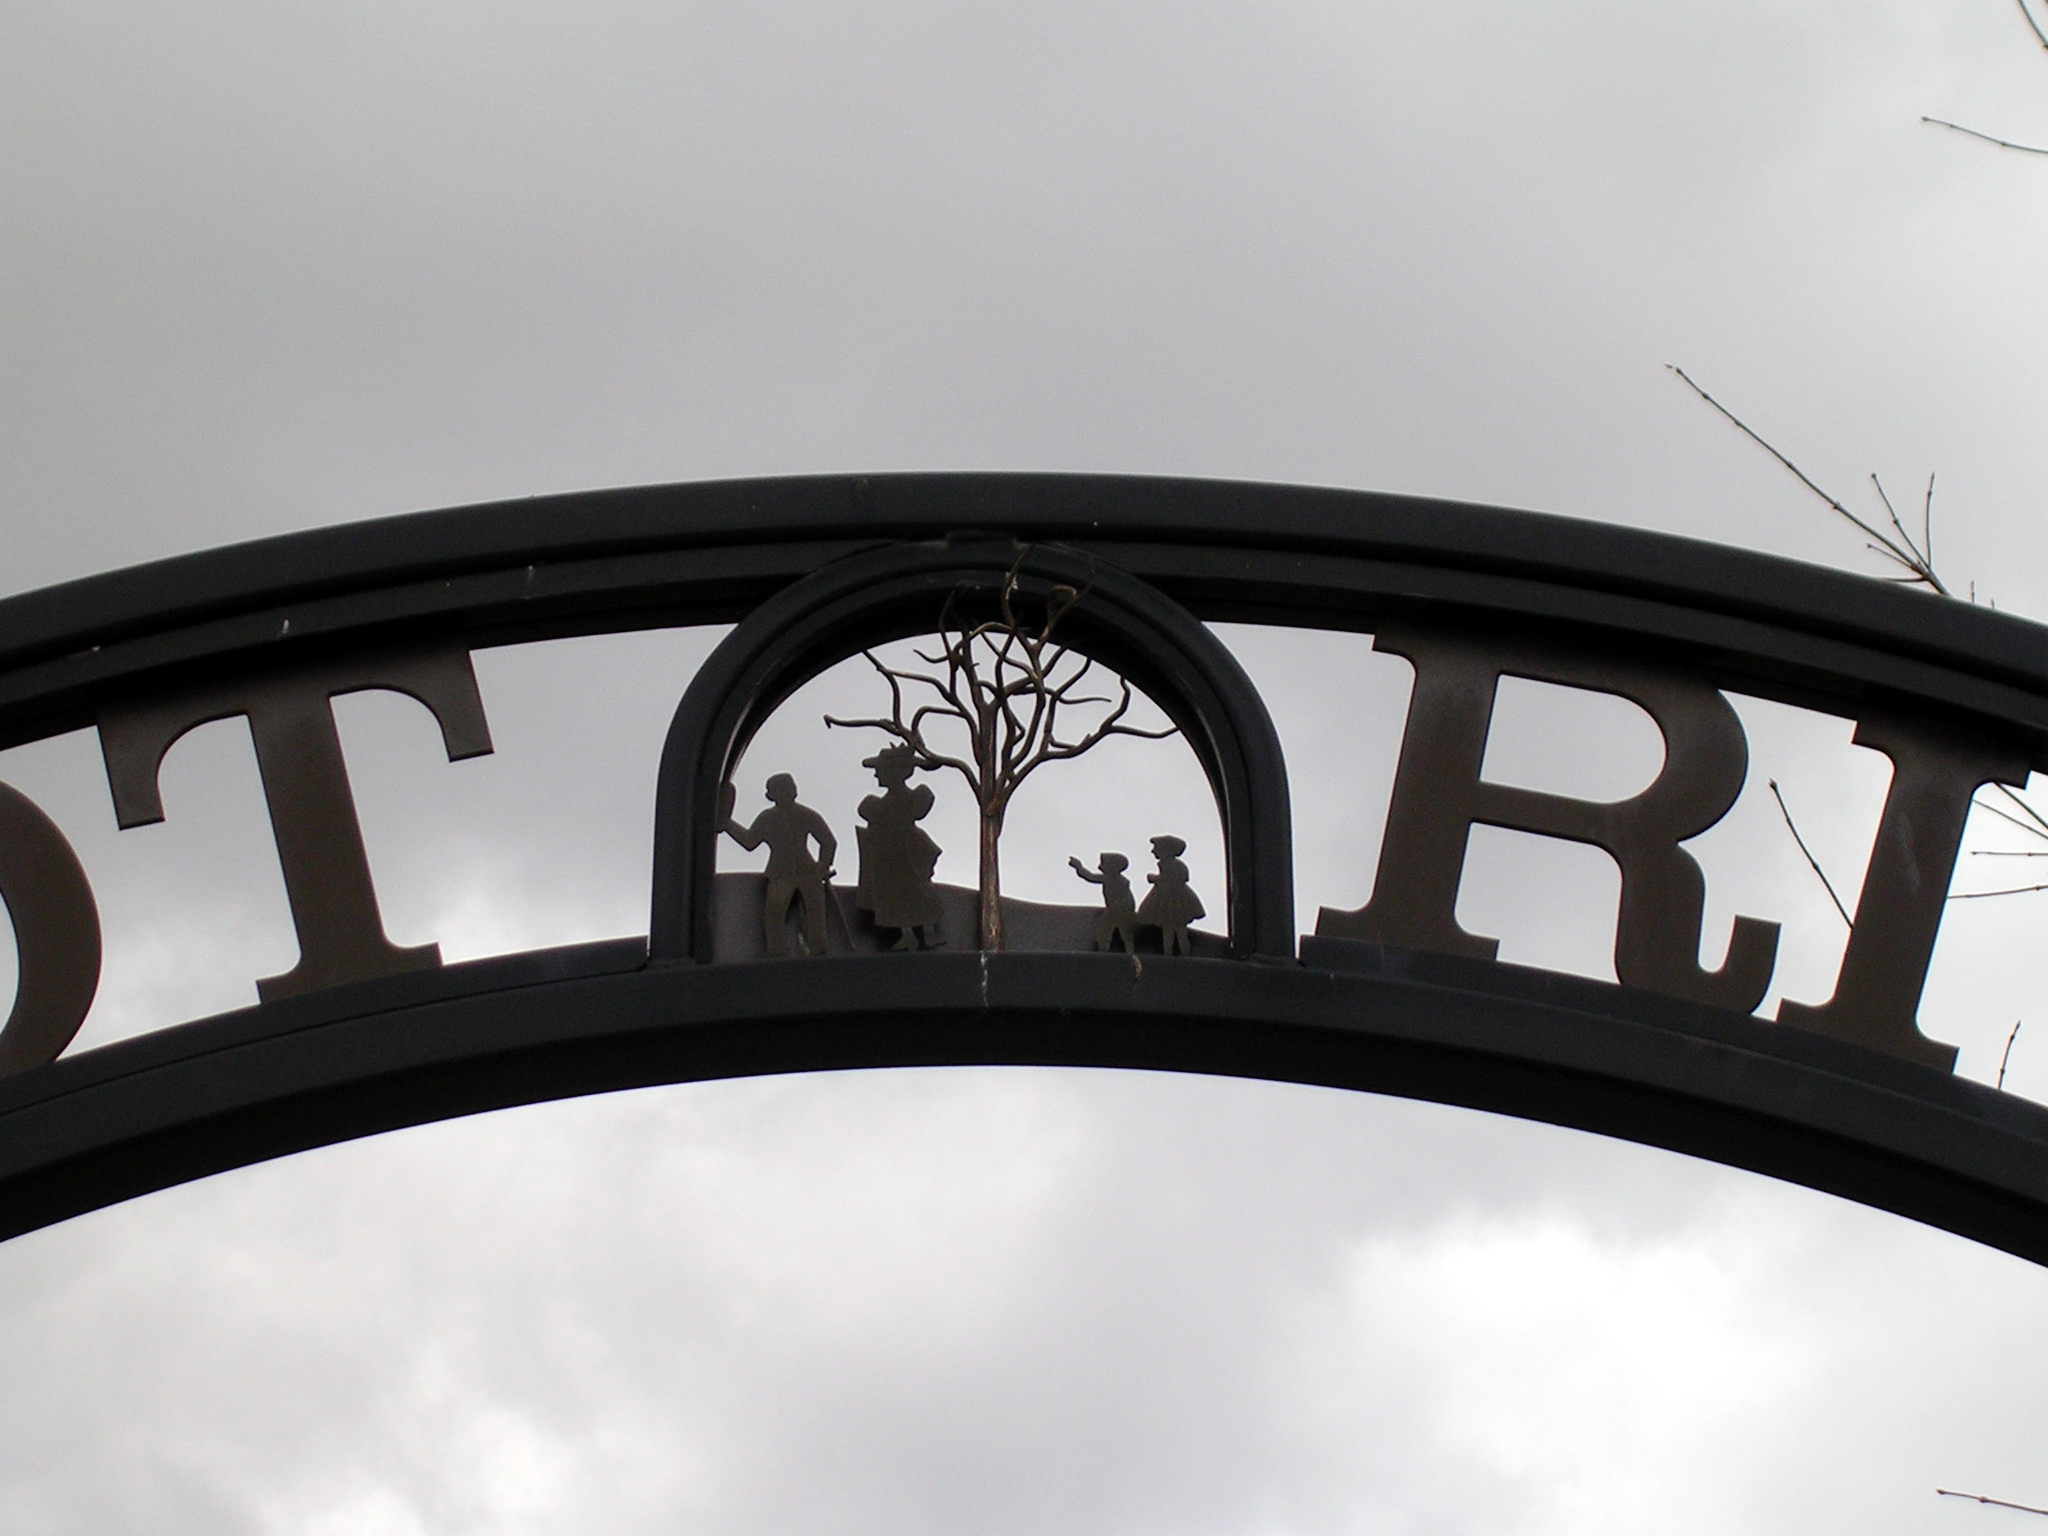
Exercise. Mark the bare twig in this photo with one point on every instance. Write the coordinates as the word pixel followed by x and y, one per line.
pixel 1988 138
pixel 2026 827
pixel 1790 826
pixel 1924 550
pixel 2030 822
pixel 1901 551
pixel 2025 1509
pixel 2039 36
pixel 2040 823
pixel 1927 524
pixel 2007 1057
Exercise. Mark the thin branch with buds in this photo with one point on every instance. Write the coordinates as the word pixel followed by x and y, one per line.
pixel 1898 546
pixel 2029 821
pixel 2025 1509
pixel 1988 138
pixel 1793 827
pixel 2035 823
pixel 2040 37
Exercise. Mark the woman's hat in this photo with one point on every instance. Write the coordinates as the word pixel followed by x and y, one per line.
pixel 890 756
pixel 1172 847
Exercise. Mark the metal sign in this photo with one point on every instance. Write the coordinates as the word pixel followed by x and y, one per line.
pixel 1029 585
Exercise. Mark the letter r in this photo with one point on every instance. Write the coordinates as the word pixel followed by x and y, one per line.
pixel 1438 795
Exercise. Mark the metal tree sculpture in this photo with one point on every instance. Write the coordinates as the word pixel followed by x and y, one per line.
pixel 1004 682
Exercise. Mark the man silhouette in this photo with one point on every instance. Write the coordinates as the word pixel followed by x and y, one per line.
pixel 788 829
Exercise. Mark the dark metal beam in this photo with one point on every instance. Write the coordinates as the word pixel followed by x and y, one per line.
pixel 305 1072
pixel 351 1060
pixel 706 553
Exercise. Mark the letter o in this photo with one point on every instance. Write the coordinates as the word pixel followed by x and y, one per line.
pixel 56 934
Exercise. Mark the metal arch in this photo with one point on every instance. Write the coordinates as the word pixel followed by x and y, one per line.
pixel 706 553
pixel 88 1130
pixel 890 593
pixel 283 1077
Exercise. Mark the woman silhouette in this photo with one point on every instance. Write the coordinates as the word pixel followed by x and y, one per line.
pixel 896 857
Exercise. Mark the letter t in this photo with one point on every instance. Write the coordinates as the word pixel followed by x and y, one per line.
pixel 305 784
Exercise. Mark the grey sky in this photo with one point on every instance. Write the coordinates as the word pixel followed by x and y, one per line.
pixel 267 267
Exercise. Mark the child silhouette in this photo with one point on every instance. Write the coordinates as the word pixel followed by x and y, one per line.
pixel 1170 905
pixel 1119 918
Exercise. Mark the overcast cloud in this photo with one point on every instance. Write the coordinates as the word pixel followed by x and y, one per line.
pixel 270 267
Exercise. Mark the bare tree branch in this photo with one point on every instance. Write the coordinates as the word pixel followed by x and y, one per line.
pixel 2039 35
pixel 1902 551
pixel 1988 138
pixel 2025 1509
pixel 909 735
pixel 1899 527
pixel 2007 1057
pixel 1927 523
pixel 1792 827
pixel 2026 827
pixel 2030 822
pixel 2039 822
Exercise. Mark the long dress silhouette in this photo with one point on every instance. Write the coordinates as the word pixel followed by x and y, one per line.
pixel 896 856
pixel 1171 904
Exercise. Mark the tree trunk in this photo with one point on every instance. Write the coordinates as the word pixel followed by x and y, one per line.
pixel 991 880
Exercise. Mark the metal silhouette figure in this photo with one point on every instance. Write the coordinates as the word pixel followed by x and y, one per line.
pixel 897 857
pixel 1119 919
pixel 793 873
pixel 1171 904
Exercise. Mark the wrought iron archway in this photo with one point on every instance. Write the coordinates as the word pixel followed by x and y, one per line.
pixel 362 1037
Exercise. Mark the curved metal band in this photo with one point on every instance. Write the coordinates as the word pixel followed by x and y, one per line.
pixel 87 1130
pixel 200 1098
pixel 708 553
pixel 891 593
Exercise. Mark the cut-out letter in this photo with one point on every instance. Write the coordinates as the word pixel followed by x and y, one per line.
pixel 1438 795
pixel 305 784
pixel 56 935
pixel 1936 772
